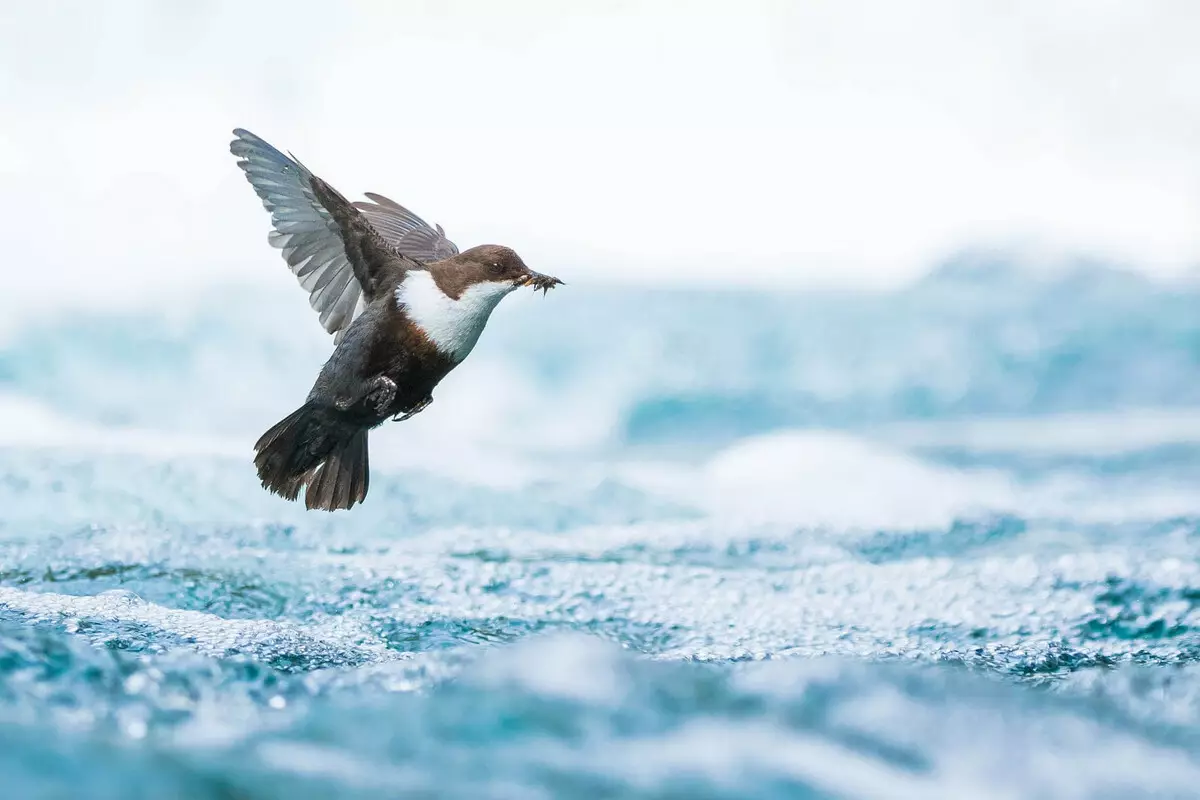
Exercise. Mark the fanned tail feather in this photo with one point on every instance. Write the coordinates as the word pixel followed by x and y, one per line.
pixel 312 448
pixel 343 479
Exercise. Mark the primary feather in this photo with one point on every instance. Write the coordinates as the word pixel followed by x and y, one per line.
pixel 309 237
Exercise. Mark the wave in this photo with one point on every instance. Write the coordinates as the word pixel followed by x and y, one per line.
pixel 612 367
pixel 571 716
pixel 120 619
pixel 987 472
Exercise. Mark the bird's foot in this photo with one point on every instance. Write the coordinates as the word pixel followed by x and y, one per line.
pixel 382 393
pixel 379 393
pixel 417 409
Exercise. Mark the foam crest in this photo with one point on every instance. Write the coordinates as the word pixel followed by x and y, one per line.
pixel 830 479
pixel 103 618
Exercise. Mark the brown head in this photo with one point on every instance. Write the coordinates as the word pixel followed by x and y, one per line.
pixel 487 263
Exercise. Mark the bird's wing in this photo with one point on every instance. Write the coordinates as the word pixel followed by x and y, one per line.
pixel 336 252
pixel 410 234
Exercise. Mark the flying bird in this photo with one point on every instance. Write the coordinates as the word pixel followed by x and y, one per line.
pixel 403 304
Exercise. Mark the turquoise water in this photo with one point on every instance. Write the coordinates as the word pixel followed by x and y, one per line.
pixel 937 542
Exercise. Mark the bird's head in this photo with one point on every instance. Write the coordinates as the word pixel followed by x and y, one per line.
pixel 501 267
pixel 450 300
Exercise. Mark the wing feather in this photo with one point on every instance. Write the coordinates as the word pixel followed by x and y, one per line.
pixel 303 229
pixel 309 236
pixel 407 232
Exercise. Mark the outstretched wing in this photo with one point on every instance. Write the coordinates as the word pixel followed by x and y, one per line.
pixel 303 229
pixel 324 239
pixel 410 234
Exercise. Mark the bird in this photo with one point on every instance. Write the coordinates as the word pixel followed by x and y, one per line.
pixel 404 306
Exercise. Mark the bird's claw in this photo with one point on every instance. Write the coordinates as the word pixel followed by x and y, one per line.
pixel 380 393
pixel 417 409
pixel 383 394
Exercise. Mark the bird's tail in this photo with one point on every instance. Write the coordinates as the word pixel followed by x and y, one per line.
pixel 315 448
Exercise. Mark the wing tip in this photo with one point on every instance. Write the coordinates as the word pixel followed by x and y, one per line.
pixel 243 136
pixel 380 200
pixel 246 144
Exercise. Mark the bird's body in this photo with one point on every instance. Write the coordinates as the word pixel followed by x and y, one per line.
pixel 401 323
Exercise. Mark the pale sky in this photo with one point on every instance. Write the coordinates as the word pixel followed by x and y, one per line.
pixel 729 143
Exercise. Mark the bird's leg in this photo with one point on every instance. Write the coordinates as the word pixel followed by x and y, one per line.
pixel 379 392
pixel 417 409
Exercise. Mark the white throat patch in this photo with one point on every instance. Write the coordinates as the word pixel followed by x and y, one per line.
pixel 452 325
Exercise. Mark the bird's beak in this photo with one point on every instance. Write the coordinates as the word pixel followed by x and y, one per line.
pixel 539 281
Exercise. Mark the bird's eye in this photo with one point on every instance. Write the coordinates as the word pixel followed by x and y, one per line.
pixel 496 268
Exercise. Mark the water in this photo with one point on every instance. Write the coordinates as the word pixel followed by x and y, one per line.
pixel 939 542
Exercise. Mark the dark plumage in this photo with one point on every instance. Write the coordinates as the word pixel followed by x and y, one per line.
pixel 404 305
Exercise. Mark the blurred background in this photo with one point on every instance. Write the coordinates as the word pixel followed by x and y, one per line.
pixel 877 358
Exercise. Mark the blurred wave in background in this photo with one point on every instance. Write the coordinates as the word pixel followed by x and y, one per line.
pixel 877 361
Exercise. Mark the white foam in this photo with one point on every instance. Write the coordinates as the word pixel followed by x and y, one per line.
pixel 433 445
pixel 319 762
pixel 724 753
pixel 835 480
pixel 1097 433
pixel 207 634
pixel 26 423
pixel 566 666
pixel 831 479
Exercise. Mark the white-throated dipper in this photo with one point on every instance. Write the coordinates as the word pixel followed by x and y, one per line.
pixel 404 306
